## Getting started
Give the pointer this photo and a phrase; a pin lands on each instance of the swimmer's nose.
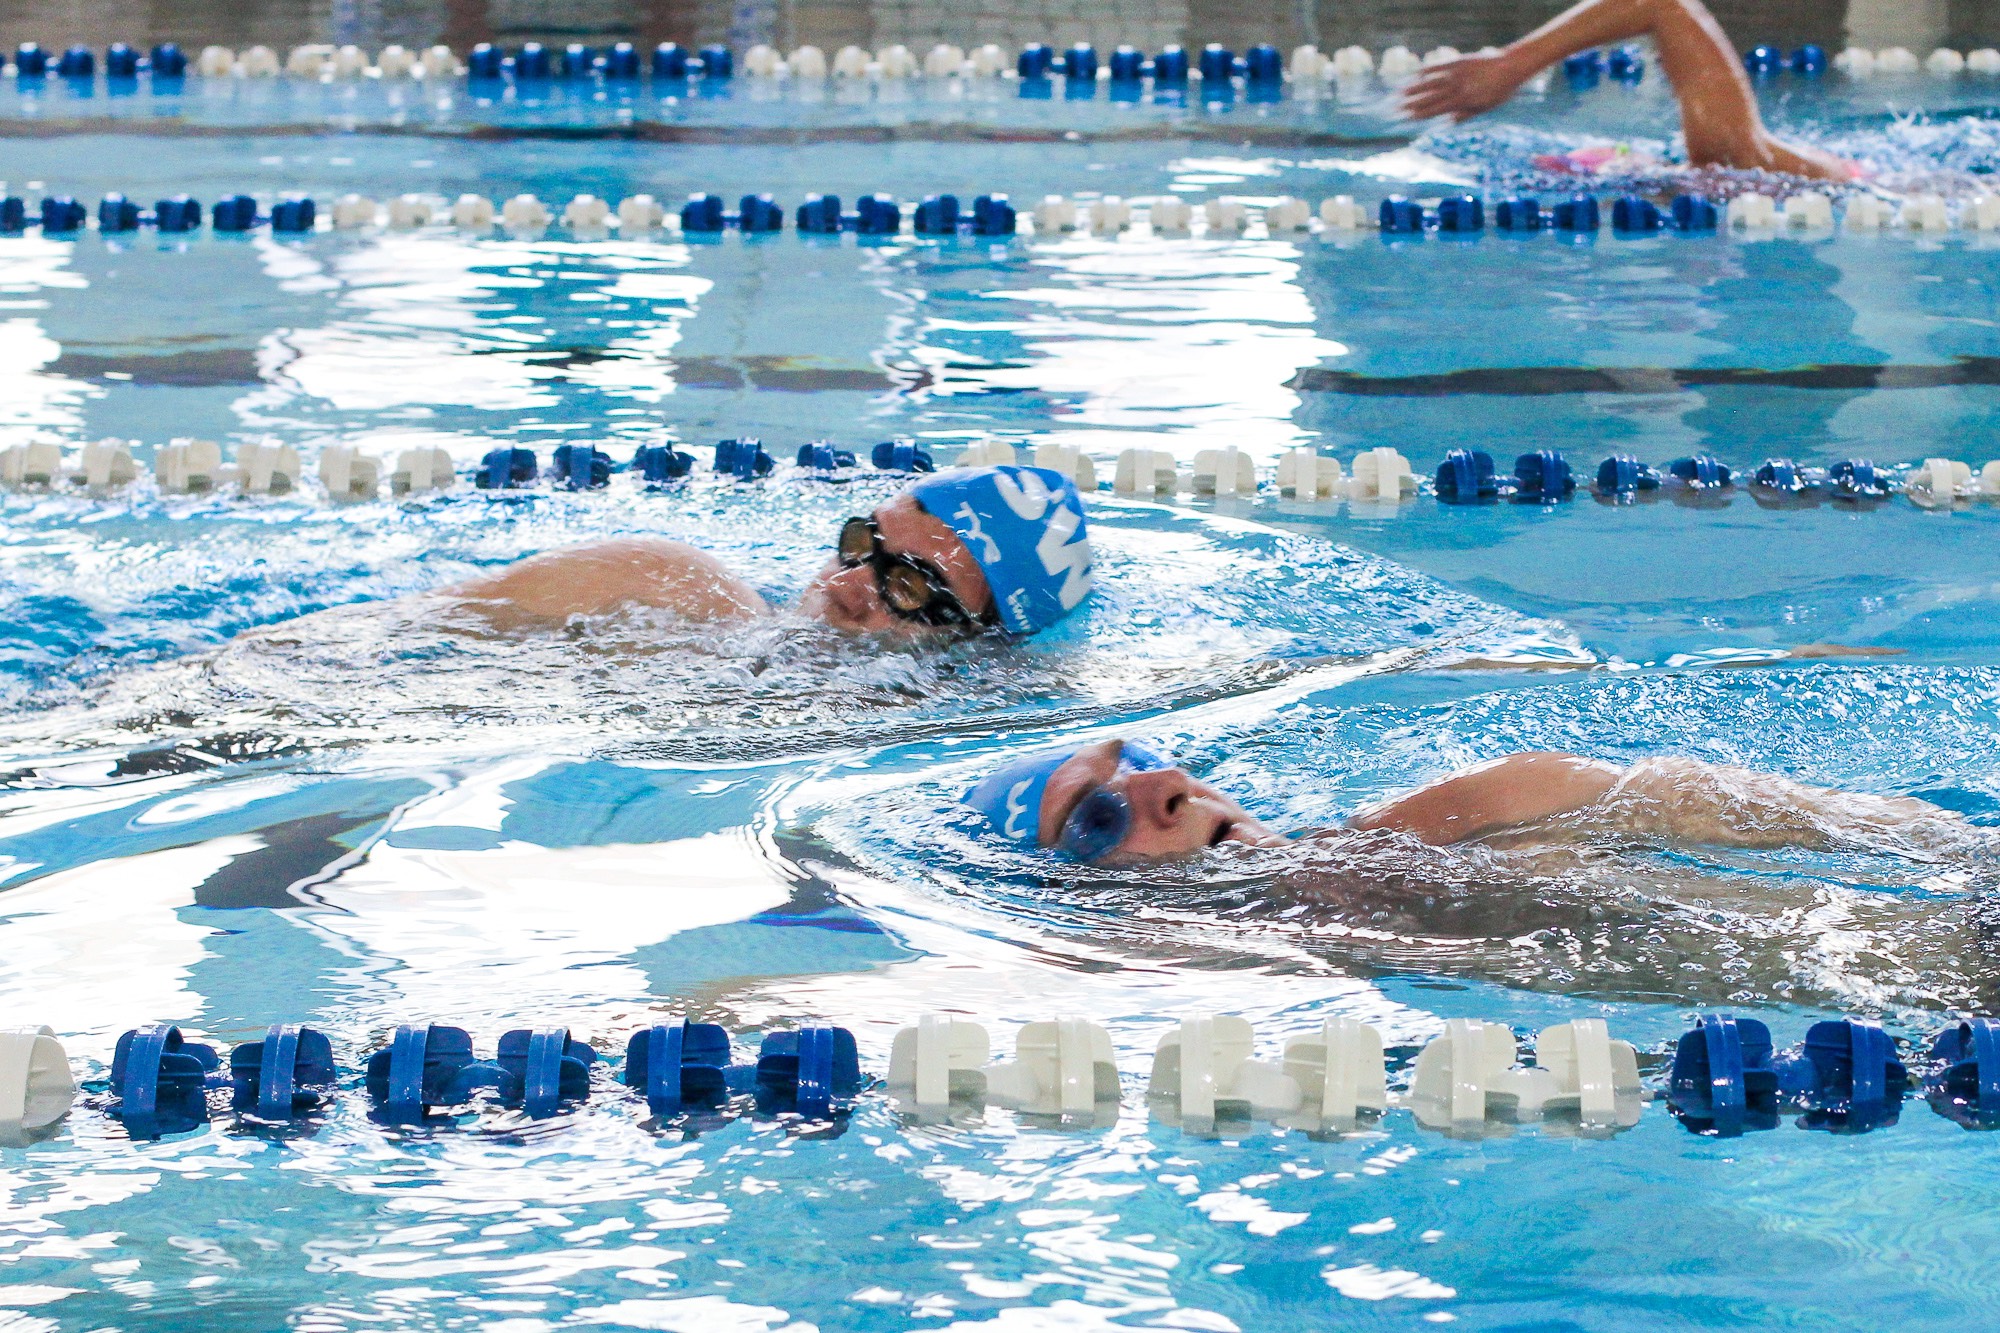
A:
(853, 591)
(1160, 797)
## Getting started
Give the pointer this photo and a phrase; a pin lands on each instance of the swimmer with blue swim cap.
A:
(1124, 801)
(963, 551)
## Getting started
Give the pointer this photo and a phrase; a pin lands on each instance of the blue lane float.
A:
(1964, 1083)
(819, 215)
(582, 467)
(1466, 477)
(1763, 61)
(1857, 479)
(484, 62)
(993, 215)
(744, 459)
(160, 1081)
(1691, 212)
(1263, 66)
(702, 213)
(657, 464)
(178, 214)
(1578, 213)
(424, 1067)
(808, 1071)
(116, 213)
(820, 456)
(670, 62)
(544, 1070)
(1584, 69)
(62, 214)
(237, 212)
(287, 1074)
(1170, 68)
(1634, 215)
(681, 1065)
(1520, 214)
(1782, 476)
(1625, 65)
(936, 215)
(31, 61)
(293, 215)
(1542, 477)
(506, 469)
(78, 62)
(621, 63)
(1400, 217)
(1722, 1080)
(902, 456)
(1622, 475)
(1701, 473)
(1462, 214)
(1844, 1077)
(759, 214)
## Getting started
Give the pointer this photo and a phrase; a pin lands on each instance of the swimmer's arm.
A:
(608, 576)
(1719, 114)
(1506, 793)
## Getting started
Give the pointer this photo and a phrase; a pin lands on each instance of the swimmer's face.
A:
(1173, 813)
(850, 600)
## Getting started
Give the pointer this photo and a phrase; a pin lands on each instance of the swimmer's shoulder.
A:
(614, 574)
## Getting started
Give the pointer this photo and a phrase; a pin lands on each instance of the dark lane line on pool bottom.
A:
(1549, 381)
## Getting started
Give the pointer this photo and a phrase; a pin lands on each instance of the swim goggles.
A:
(1099, 821)
(910, 588)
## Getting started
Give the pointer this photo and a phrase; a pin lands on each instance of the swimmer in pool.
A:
(1718, 110)
(1123, 801)
(964, 551)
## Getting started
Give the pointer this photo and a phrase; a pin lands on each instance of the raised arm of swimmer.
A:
(1718, 110)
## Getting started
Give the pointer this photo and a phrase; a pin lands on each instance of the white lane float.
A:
(36, 1085)
(1310, 477)
(1146, 472)
(188, 467)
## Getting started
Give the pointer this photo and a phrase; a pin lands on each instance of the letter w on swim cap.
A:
(1025, 527)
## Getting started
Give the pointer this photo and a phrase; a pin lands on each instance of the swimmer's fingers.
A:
(1460, 89)
(1433, 93)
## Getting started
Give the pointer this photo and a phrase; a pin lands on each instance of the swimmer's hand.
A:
(1463, 88)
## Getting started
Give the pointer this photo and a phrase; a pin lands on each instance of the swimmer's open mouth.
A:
(1222, 832)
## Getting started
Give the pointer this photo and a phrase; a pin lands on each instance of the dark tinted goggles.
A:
(910, 588)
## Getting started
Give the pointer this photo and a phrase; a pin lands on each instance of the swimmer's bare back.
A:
(1548, 798)
(1718, 109)
(606, 577)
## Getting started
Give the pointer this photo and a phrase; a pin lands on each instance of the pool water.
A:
(222, 815)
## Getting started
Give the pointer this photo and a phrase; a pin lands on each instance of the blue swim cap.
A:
(1024, 525)
(1011, 800)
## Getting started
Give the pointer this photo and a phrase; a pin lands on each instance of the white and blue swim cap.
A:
(1011, 800)
(1025, 527)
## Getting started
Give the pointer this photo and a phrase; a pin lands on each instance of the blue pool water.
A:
(220, 815)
